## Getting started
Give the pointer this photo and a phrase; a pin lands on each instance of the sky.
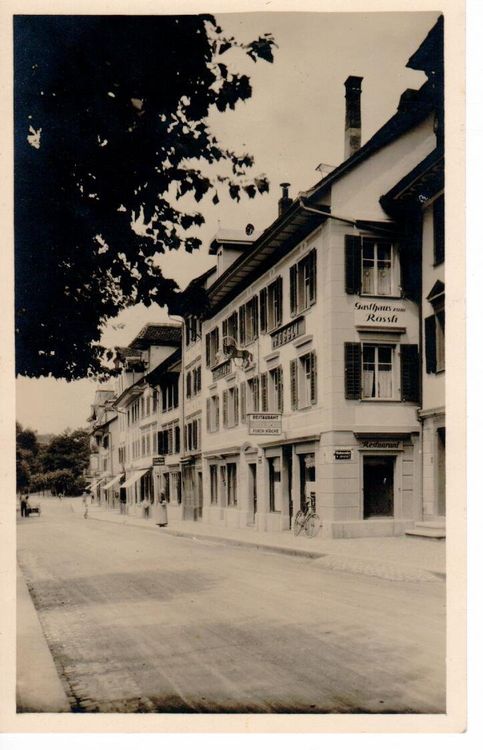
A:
(293, 122)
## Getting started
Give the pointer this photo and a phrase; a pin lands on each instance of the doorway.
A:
(252, 497)
(378, 486)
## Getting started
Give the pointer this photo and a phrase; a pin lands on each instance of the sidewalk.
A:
(391, 558)
(39, 688)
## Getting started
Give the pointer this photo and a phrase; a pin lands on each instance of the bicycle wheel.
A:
(312, 525)
(298, 522)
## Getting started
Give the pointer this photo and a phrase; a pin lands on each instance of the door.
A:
(287, 459)
(252, 505)
(199, 509)
(378, 486)
(442, 471)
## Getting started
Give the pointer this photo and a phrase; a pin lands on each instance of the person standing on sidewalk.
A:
(24, 504)
(160, 511)
(146, 505)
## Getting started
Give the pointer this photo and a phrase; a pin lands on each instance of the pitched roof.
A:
(152, 335)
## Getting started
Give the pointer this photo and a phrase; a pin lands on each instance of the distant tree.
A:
(26, 455)
(111, 129)
(23, 470)
(68, 451)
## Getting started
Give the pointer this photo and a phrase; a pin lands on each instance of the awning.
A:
(113, 482)
(134, 478)
(95, 484)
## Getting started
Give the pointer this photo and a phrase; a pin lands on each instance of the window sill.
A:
(368, 295)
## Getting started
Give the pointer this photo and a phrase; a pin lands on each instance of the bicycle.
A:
(308, 520)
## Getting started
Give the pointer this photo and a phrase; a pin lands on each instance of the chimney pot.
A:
(285, 201)
(352, 115)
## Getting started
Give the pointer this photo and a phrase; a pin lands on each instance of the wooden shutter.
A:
(293, 290)
(236, 410)
(409, 372)
(224, 329)
(279, 293)
(313, 378)
(438, 229)
(176, 439)
(352, 370)
(264, 394)
(430, 343)
(225, 408)
(255, 317)
(313, 275)
(352, 264)
(217, 412)
(263, 310)
(280, 389)
(208, 414)
(242, 322)
(243, 402)
(294, 383)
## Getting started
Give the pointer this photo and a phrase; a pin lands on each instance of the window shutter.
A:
(352, 264)
(409, 372)
(352, 370)
(430, 343)
(208, 414)
(313, 275)
(293, 290)
(243, 402)
(263, 310)
(280, 389)
(235, 326)
(225, 408)
(313, 378)
(224, 329)
(279, 293)
(242, 319)
(263, 383)
(294, 384)
(438, 229)
(255, 317)
(236, 409)
(176, 439)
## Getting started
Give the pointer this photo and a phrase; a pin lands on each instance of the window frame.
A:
(394, 271)
(395, 376)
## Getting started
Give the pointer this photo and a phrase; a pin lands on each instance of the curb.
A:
(39, 688)
(328, 560)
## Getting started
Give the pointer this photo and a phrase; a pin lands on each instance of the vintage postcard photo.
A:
(238, 293)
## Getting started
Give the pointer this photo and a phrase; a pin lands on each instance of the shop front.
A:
(192, 489)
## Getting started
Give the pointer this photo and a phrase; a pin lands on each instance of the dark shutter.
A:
(263, 385)
(224, 329)
(430, 343)
(438, 229)
(293, 290)
(217, 412)
(225, 408)
(176, 439)
(352, 264)
(208, 415)
(313, 378)
(279, 293)
(352, 370)
(313, 275)
(293, 383)
(236, 405)
(263, 310)
(280, 389)
(409, 372)
(255, 317)
(207, 351)
(243, 402)
(242, 323)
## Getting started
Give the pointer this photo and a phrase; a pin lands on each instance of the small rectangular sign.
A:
(159, 460)
(343, 454)
(264, 424)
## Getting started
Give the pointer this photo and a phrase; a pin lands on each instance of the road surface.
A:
(140, 621)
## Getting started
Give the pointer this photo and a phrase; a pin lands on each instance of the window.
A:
(371, 266)
(169, 393)
(213, 413)
(370, 371)
(212, 341)
(192, 329)
(192, 435)
(231, 495)
(271, 306)
(434, 332)
(193, 382)
(253, 395)
(230, 327)
(248, 319)
(230, 407)
(169, 439)
(214, 484)
(438, 230)
(303, 283)
(303, 381)
(275, 389)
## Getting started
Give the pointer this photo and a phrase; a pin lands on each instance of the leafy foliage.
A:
(111, 130)
(59, 466)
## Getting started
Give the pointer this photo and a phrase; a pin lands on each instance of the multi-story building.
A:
(101, 421)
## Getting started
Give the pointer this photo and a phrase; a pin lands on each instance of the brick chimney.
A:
(352, 115)
(284, 201)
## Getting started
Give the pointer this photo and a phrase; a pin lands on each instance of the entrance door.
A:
(199, 510)
(252, 506)
(287, 460)
(442, 471)
(378, 486)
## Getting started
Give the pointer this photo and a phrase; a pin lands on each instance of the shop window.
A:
(438, 230)
(303, 381)
(230, 407)
(214, 484)
(212, 342)
(371, 267)
(271, 306)
(248, 320)
(213, 413)
(370, 372)
(303, 283)
(175, 479)
(231, 484)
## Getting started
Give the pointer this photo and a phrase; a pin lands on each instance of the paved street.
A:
(140, 621)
